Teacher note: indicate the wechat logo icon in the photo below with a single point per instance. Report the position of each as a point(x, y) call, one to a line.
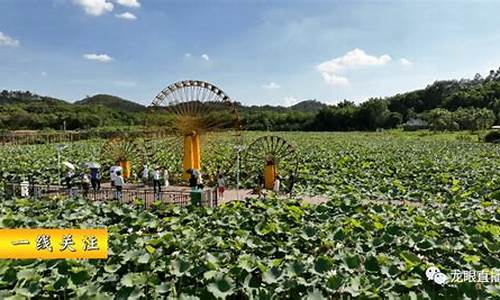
point(435, 275)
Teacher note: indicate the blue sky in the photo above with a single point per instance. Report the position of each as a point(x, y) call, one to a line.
point(258, 52)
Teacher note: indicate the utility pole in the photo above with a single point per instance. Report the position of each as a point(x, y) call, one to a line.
point(59, 148)
point(238, 150)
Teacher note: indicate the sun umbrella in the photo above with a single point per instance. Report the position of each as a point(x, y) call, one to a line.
point(93, 165)
point(69, 165)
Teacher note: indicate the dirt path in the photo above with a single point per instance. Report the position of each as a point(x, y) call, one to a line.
point(231, 195)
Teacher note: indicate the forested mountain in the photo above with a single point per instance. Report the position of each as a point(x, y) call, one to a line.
point(24, 110)
point(444, 105)
point(469, 104)
point(112, 102)
point(308, 106)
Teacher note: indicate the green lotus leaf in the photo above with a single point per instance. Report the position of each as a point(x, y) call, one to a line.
point(323, 264)
point(352, 261)
point(272, 275)
point(222, 287)
point(112, 268)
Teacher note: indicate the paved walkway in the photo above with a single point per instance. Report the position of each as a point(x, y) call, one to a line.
point(230, 195)
point(181, 195)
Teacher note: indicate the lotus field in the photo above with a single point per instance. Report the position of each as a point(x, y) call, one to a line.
point(361, 243)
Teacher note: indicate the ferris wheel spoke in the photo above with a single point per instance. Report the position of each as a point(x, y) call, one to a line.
point(198, 93)
point(269, 146)
point(282, 148)
point(180, 104)
point(173, 107)
point(180, 92)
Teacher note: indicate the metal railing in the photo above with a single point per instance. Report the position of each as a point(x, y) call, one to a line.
point(36, 137)
point(146, 196)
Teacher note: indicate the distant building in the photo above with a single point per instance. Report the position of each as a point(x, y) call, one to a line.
point(415, 124)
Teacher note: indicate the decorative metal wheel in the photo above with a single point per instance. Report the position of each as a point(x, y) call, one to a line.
point(269, 150)
point(193, 106)
point(190, 109)
point(165, 152)
point(122, 149)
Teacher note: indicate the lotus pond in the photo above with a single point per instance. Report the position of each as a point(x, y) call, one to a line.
point(275, 249)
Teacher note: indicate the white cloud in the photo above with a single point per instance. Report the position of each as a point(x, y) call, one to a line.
point(334, 80)
point(353, 59)
point(406, 62)
point(188, 55)
point(126, 16)
point(129, 3)
point(104, 58)
point(205, 57)
point(271, 86)
point(6, 40)
point(289, 101)
point(44, 74)
point(95, 7)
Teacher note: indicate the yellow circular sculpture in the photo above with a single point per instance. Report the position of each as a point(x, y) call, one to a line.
point(191, 108)
point(121, 150)
point(268, 152)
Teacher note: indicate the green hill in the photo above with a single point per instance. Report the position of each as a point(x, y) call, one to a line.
point(112, 102)
point(308, 106)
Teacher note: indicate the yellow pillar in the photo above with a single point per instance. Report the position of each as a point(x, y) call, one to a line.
point(192, 154)
point(125, 164)
point(196, 152)
point(270, 172)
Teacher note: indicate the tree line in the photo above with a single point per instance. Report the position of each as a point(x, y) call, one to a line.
point(465, 104)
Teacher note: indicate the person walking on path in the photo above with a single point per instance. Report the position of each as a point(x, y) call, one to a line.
point(119, 182)
point(85, 184)
point(157, 182)
point(221, 186)
point(112, 172)
point(69, 181)
point(291, 183)
point(95, 179)
point(192, 178)
point(165, 178)
point(276, 185)
point(199, 179)
point(145, 175)
point(195, 180)
point(260, 185)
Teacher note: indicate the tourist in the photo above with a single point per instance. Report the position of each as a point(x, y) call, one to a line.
point(276, 185)
point(291, 182)
point(145, 175)
point(165, 178)
point(260, 185)
point(217, 173)
point(112, 175)
point(192, 178)
point(221, 185)
point(69, 180)
point(112, 172)
point(157, 181)
point(95, 179)
point(118, 182)
point(85, 184)
point(199, 179)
